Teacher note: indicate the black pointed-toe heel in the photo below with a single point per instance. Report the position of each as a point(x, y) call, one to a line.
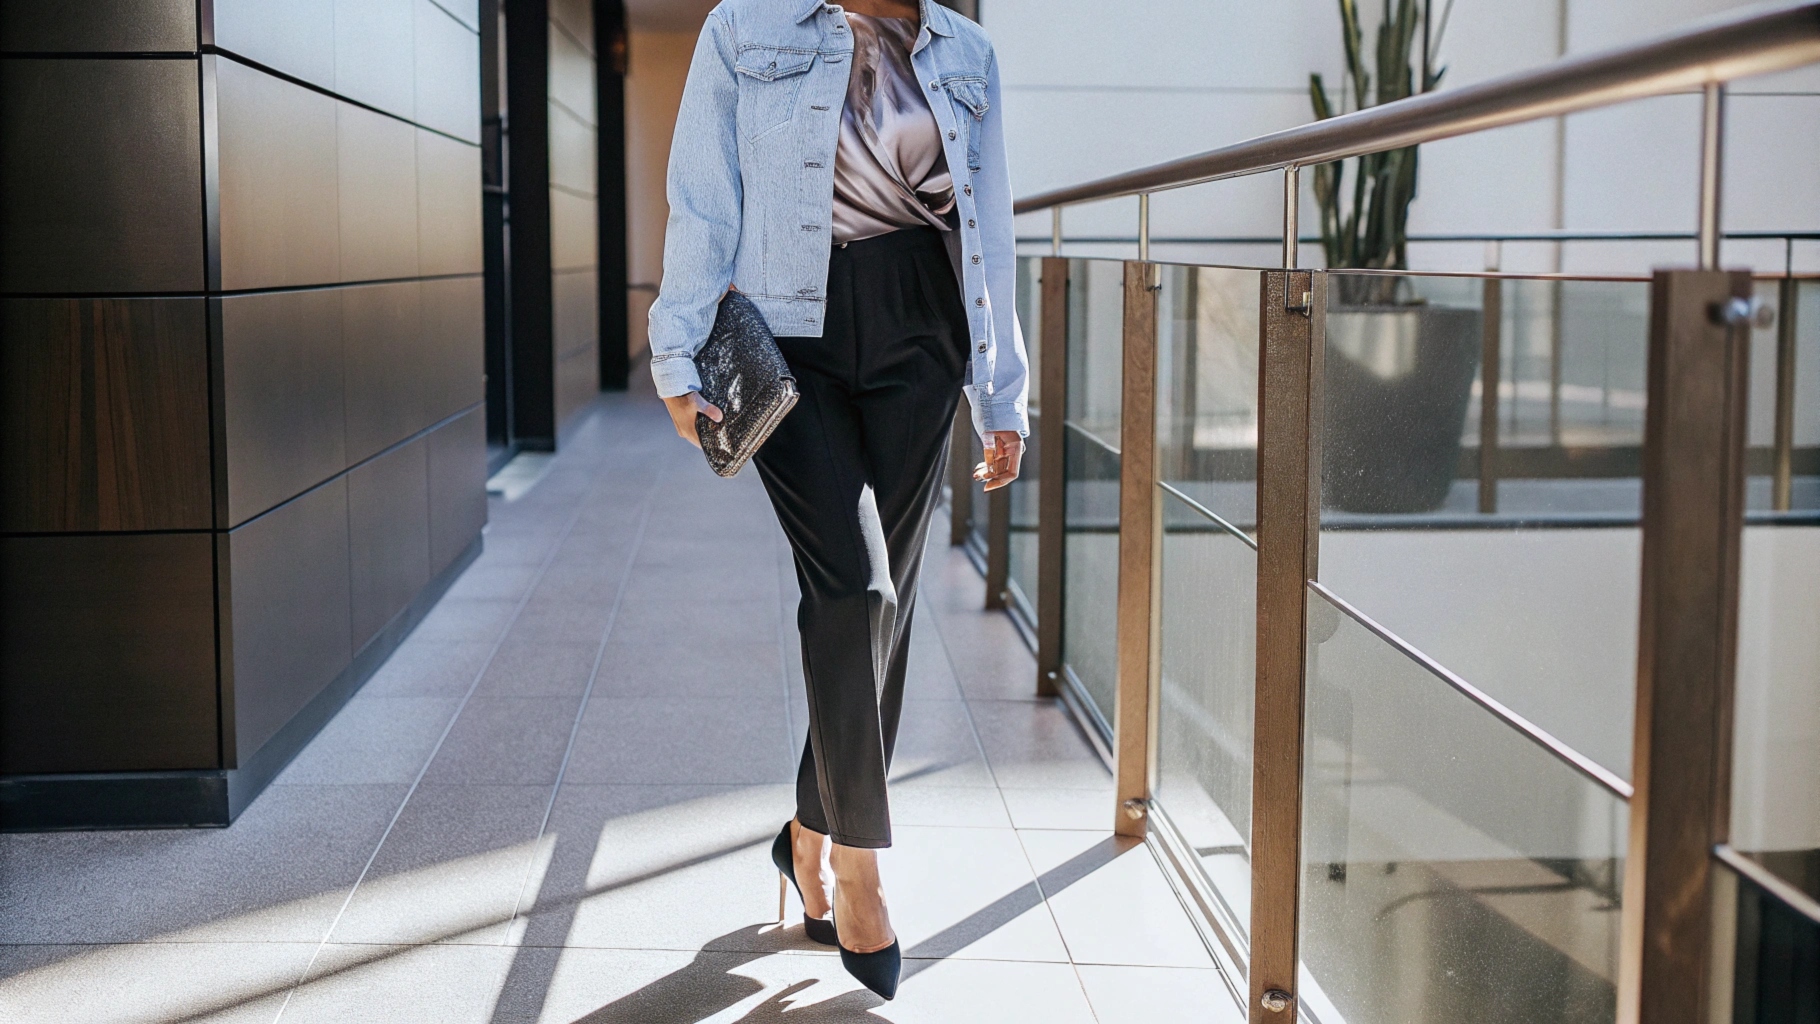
point(783, 855)
point(877, 970)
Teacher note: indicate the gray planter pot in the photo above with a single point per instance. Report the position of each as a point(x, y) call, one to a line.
point(1398, 380)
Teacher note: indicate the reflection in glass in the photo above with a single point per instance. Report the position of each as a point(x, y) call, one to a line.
point(1090, 524)
point(1207, 387)
point(1208, 687)
point(1453, 868)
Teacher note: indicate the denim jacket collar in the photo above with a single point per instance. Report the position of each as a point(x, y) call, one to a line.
point(936, 23)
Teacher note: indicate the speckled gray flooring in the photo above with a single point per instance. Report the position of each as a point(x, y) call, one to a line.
point(553, 805)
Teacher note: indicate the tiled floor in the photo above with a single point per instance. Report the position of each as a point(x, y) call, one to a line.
point(553, 805)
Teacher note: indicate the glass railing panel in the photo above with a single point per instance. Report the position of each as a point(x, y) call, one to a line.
point(1776, 717)
point(1023, 558)
point(1207, 388)
point(1454, 868)
point(1207, 691)
point(1802, 318)
point(1090, 525)
point(1535, 599)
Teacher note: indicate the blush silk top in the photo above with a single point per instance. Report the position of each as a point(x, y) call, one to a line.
point(889, 170)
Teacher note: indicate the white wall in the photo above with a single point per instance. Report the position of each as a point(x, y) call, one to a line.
point(1093, 88)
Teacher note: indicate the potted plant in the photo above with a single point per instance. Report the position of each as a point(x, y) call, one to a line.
point(1399, 369)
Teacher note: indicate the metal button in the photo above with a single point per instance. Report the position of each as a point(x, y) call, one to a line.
point(970, 223)
point(976, 257)
point(967, 189)
point(982, 346)
point(979, 302)
point(950, 135)
point(935, 86)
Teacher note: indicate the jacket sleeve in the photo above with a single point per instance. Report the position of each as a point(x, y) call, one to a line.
point(1004, 408)
point(701, 237)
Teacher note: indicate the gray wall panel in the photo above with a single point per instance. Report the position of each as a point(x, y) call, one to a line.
point(378, 195)
point(98, 26)
point(388, 536)
point(458, 486)
point(286, 598)
point(283, 395)
point(448, 206)
point(465, 11)
point(573, 231)
point(454, 345)
point(572, 56)
point(373, 53)
point(296, 37)
point(382, 342)
point(107, 653)
point(448, 73)
point(573, 151)
point(100, 176)
point(576, 296)
point(279, 211)
point(577, 382)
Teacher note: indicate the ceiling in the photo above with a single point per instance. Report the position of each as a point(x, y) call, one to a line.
point(667, 15)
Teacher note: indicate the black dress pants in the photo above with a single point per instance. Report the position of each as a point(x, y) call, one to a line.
point(854, 472)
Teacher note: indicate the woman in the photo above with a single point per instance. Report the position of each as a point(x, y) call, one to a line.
point(845, 169)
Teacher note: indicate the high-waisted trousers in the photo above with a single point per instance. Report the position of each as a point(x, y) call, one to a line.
point(855, 471)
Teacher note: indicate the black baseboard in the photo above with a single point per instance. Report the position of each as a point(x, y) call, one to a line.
point(212, 798)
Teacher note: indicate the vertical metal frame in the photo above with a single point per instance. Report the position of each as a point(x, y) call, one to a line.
point(1693, 513)
point(998, 547)
point(1052, 482)
point(1140, 553)
point(960, 475)
point(1491, 369)
point(1783, 483)
point(1292, 326)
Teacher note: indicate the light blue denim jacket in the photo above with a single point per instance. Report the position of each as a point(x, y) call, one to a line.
point(751, 186)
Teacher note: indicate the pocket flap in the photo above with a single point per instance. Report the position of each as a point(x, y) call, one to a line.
point(971, 93)
point(768, 64)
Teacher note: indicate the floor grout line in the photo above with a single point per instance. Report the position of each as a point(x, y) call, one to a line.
point(550, 559)
point(600, 651)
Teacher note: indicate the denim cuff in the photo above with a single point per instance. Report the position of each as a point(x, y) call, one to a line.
point(1004, 416)
point(674, 374)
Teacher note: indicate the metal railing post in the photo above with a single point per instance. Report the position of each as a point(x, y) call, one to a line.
point(998, 547)
point(1052, 476)
point(1788, 299)
point(1292, 326)
point(960, 476)
point(1693, 513)
point(1491, 368)
point(1712, 171)
point(1140, 551)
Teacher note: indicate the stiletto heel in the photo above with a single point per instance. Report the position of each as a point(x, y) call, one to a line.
point(783, 854)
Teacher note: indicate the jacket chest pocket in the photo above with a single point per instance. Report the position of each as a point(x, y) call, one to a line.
point(969, 95)
point(770, 80)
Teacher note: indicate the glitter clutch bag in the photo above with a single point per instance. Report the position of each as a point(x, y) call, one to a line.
point(744, 374)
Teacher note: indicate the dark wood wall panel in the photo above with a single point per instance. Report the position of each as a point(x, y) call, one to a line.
point(454, 340)
point(448, 66)
point(279, 212)
point(100, 176)
point(283, 392)
point(98, 26)
point(377, 186)
point(458, 486)
point(285, 600)
point(108, 659)
point(448, 206)
point(104, 415)
point(382, 337)
point(388, 536)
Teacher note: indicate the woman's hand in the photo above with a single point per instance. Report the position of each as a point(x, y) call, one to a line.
point(682, 413)
point(1004, 454)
